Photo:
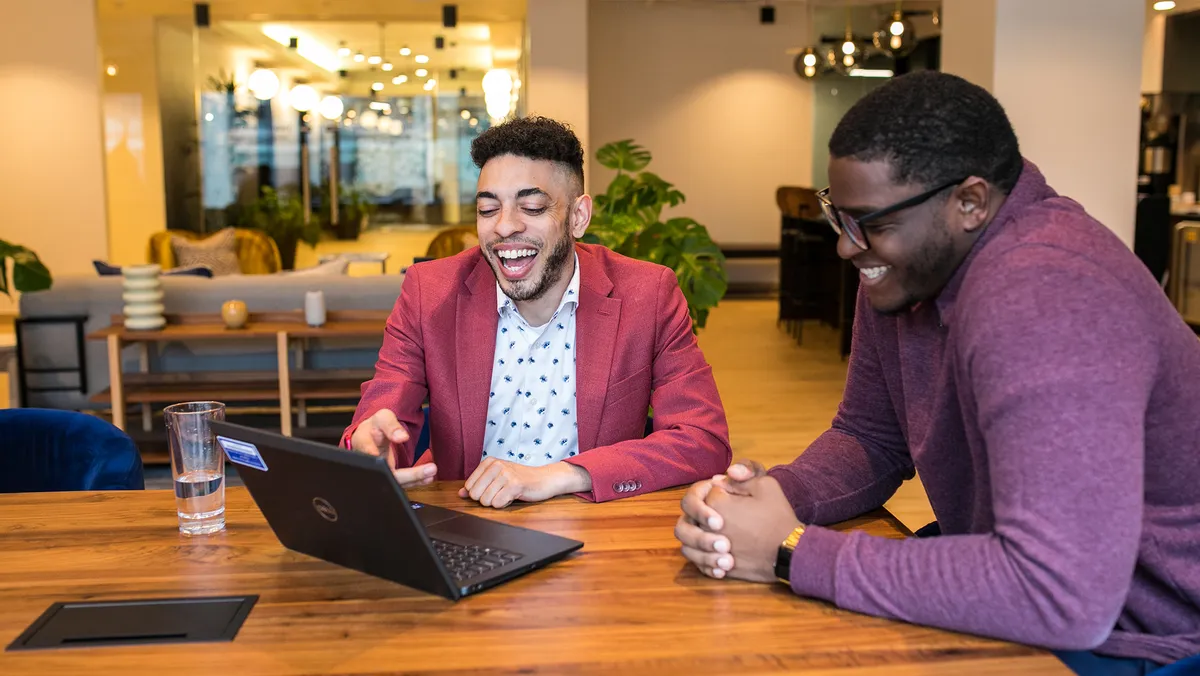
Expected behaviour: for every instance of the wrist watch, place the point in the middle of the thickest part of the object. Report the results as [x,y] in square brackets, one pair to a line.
[783,560]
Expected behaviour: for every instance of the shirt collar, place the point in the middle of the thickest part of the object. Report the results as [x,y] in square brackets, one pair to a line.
[571,295]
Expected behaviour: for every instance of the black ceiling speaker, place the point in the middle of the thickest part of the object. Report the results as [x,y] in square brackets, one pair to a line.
[766,14]
[449,16]
[453,74]
[202,17]
[439,42]
[293,42]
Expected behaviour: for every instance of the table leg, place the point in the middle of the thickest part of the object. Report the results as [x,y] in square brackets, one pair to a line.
[114,382]
[144,367]
[301,404]
[285,384]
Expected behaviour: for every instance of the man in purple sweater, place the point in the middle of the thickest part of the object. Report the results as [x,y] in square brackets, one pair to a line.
[1015,353]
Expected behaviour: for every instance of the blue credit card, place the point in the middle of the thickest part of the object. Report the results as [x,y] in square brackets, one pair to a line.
[242,453]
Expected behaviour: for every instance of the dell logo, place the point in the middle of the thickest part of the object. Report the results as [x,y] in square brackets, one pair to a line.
[325,509]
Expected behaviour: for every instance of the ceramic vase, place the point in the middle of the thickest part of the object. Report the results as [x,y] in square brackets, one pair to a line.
[143,297]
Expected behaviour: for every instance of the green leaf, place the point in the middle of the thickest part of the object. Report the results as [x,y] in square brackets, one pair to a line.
[623,155]
[28,272]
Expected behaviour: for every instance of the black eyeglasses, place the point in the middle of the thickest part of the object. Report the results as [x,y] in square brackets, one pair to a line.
[843,222]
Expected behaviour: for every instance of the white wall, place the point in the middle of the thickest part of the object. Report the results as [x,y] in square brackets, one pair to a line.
[1074,107]
[51,147]
[557,73]
[711,93]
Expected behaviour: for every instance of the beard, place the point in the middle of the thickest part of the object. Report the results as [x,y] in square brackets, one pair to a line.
[553,266]
[926,274]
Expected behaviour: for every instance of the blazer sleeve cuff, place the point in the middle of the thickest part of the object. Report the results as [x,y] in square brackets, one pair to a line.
[605,487]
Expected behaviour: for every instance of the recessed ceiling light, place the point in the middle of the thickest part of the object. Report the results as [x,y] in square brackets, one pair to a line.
[378,86]
[421,58]
[400,79]
[405,51]
[421,72]
[1164,5]
[359,58]
[375,60]
[386,66]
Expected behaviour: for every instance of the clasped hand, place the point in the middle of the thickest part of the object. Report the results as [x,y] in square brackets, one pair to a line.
[732,525]
[494,483]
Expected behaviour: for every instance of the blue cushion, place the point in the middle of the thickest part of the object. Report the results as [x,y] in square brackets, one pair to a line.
[51,450]
[106,270]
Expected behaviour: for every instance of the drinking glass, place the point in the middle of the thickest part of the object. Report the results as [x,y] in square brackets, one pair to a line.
[198,465]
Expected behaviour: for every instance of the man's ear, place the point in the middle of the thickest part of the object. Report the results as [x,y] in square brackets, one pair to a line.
[970,203]
[580,215]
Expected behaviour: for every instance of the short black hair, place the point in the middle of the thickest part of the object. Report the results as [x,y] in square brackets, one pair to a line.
[536,138]
[933,127]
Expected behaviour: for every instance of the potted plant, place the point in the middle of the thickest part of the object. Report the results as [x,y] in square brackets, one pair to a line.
[354,210]
[628,220]
[28,271]
[282,219]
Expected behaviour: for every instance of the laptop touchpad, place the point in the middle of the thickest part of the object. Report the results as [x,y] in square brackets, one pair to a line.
[430,514]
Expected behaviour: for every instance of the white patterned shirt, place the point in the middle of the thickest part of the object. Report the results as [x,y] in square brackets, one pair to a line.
[531,404]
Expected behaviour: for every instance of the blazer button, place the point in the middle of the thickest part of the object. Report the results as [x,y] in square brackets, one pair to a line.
[618,488]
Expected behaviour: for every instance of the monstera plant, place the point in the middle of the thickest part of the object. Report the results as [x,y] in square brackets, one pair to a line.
[628,220]
[28,271]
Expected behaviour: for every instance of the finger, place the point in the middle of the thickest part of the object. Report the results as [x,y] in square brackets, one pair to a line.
[392,429]
[488,497]
[508,495]
[485,480]
[694,506]
[691,535]
[713,565]
[477,474]
[745,470]
[412,476]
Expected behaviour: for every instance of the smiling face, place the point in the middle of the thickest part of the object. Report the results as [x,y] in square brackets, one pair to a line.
[915,251]
[529,214]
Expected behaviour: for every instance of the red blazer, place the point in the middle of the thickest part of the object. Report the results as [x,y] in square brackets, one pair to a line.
[635,349]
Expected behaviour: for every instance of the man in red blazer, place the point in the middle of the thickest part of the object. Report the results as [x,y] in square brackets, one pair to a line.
[541,356]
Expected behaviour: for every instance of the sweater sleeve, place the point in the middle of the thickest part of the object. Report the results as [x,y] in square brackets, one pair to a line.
[858,463]
[1060,367]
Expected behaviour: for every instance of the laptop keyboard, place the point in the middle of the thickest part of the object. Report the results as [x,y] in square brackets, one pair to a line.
[467,561]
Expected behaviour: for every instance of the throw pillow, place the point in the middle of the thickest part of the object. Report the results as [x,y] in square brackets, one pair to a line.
[338,266]
[105,270]
[218,252]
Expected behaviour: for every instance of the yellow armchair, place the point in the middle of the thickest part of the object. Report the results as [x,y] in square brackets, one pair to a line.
[453,240]
[256,252]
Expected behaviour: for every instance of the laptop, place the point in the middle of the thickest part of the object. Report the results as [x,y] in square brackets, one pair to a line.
[346,507]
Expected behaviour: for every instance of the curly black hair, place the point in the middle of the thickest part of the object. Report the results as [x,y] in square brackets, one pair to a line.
[933,127]
[536,138]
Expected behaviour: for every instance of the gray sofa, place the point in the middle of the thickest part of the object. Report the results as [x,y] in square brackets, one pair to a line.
[50,353]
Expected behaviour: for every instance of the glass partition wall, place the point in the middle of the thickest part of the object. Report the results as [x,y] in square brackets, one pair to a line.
[346,125]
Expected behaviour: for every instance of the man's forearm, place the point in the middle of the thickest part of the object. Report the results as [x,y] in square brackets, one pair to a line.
[836,479]
[568,478]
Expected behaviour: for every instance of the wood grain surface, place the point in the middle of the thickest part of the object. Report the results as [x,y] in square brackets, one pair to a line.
[626,603]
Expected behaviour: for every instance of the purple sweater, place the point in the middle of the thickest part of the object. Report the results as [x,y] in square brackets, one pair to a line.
[1049,397]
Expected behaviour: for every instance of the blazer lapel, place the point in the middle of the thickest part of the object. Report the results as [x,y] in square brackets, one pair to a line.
[596,321]
[475,347]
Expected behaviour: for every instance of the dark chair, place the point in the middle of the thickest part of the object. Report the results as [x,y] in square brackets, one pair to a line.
[49,450]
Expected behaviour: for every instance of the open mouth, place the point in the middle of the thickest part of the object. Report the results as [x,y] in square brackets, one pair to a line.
[872,276]
[516,263]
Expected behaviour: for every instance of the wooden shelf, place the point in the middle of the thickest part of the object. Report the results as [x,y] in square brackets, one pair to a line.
[148,388]
[339,324]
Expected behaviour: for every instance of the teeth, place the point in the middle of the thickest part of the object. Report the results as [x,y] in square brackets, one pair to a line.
[875,273]
[516,253]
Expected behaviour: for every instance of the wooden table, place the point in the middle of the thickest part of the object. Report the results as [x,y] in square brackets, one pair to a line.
[626,603]
[286,383]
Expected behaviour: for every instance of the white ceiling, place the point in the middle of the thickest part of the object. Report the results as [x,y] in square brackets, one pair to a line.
[326,10]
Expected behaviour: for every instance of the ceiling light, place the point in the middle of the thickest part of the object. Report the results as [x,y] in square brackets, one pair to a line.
[351,113]
[400,79]
[264,84]
[343,51]
[421,58]
[208,117]
[421,72]
[869,72]
[304,98]
[359,58]
[895,36]
[380,105]
[331,107]
[405,51]
[377,86]
[474,121]
[368,120]
[806,62]
[304,43]
[1164,5]
[375,60]
[386,66]
[111,70]
[430,84]
[466,114]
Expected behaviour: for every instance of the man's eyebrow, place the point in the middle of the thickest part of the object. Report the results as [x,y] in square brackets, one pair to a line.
[485,195]
[528,192]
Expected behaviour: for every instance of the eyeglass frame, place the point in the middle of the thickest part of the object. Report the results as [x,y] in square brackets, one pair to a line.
[834,214]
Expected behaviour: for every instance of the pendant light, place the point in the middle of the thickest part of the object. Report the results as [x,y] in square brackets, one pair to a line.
[808,62]
[895,36]
[849,50]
